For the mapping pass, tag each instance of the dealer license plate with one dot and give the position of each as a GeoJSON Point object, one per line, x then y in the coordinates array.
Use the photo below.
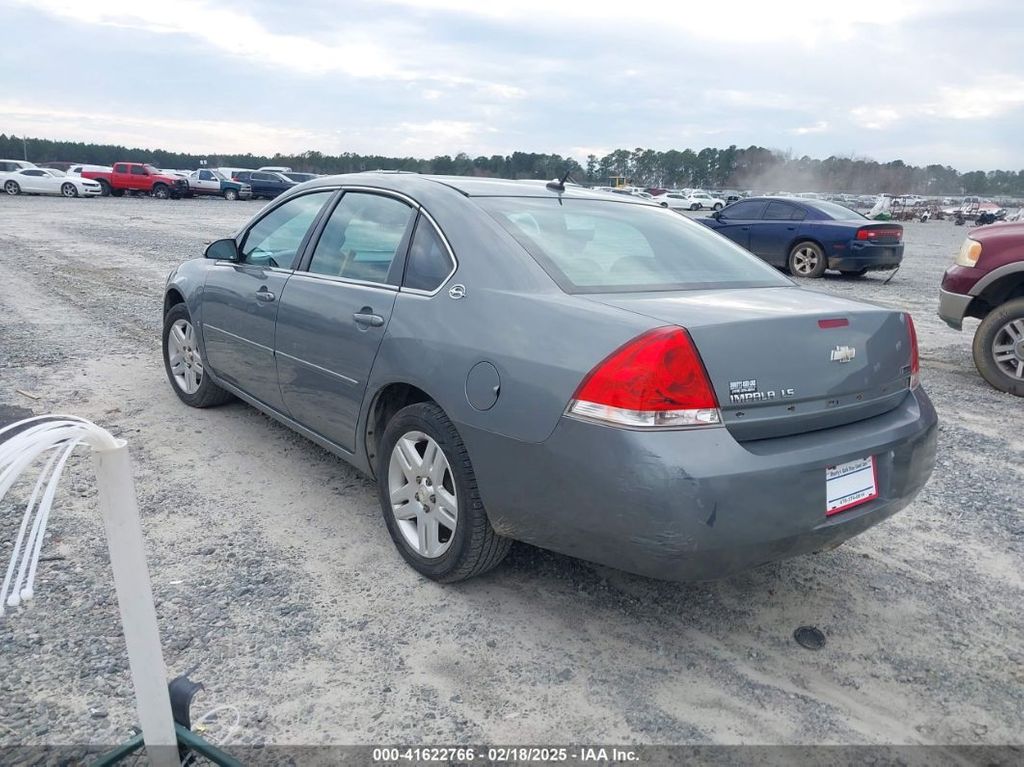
{"type": "Point", "coordinates": [850, 484]}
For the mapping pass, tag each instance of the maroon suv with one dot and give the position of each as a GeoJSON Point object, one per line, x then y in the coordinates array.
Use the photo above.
{"type": "Point", "coordinates": [987, 281]}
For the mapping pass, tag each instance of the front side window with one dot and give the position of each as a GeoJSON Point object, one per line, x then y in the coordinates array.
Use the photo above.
{"type": "Point", "coordinates": [429, 263]}
{"type": "Point", "coordinates": [744, 210]}
{"type": "Point", "coordinates": [275, 239]}
{"type": "Point", "coordinates": [591, 246]}
{"type": "Point", "coordinates": [205, 175]}
{"type": "Point", "coordinates": [363, 238]}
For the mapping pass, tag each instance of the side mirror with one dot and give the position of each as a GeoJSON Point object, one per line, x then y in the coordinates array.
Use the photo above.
{"type": "Point", "coordinates": [223, 250]}
{"type": "Point", "coordinates": [716, 214]}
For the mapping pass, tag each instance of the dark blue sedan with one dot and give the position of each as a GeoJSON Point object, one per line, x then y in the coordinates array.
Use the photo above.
{"type": "Point", "coordinates": [806, 237]}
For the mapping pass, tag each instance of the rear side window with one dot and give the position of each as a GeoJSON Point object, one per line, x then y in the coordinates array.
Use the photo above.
{"type": "Point", "coordinates": [121, 168]}
{"type": "Point", "coordinates": [429, 263]}
{"type": "Point", "coordinates": [362, 238]}
{"type": "Point", "coordinates": [138, 170]}
{"type": "Point", "coordinates": [781, 211]}
{"type": "Point", "coordinates": [592, 246]}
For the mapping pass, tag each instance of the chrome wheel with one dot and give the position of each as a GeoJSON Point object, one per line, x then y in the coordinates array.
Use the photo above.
{"type": "Point", "coordinates": [183, 356]}
{"type": "Point", "coordinates": [1008, 349]}
{"type": "Point", "coordinates": [805, 260]}
{"type": "Point", "coordinates": [422, 494]}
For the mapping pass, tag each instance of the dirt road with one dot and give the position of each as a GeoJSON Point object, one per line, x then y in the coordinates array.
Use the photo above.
{"type": "Point", "coordinates": [274, 572]}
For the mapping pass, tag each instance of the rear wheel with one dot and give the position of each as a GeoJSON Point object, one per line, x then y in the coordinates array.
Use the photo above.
{"type": "Point", "coordinates": [695, 206]}
{"type": "Point", "coordinates": [161, 192]}
{"type": "Point", "coordinates": [999, 347]}
{"type": "Point", "coordinates": [69, 190]}
{"type": "Point", "coordinates": [184, 366]}
{"type": "Point", "coordinates": [806, 260]}
{"type": "Point", "coordinates": [104, 188]}
{"type": "Point", "coordinates": [230, 194]}
{"type": "Point", "coordinates": [12, 188]}
{"type": "Point", "coordinates": [429, 497]}
{"type": "Point", "coordinates": [717, 206]}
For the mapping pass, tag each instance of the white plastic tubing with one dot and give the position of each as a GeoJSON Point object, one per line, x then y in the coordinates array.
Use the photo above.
{"type": "Point", "coordinates": [51, 440]}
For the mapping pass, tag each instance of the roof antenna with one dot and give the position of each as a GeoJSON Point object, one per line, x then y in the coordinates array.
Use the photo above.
{"type": "Point", "coordinates": [558, 185]}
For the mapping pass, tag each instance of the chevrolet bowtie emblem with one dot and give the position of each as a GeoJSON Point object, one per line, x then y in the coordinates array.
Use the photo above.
{"type": "Point", "coordinates": [843, 354]}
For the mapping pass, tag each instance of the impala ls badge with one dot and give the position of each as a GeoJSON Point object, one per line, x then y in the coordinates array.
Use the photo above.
{"type": "Point", "coordinates": [843, 354]}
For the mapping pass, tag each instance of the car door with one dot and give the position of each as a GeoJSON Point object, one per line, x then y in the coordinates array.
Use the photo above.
{"type": "Point", "coordinates": [334, 312]}
{"type": "Point", "coordinates": [240, 300]}
{"type": "Point", "coordinates": [207, 183]}
{"type": "Point", "coordinates": [31, 180]}
{"type": "Point", "coordinates": [138, 178]}
{"type": "Point", "coordinates": [771, 237]}
{"type": "Point", "coordinates": [734, 221]}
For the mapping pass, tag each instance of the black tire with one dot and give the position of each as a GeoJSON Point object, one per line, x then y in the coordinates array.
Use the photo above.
{"type": "Point", "coordinates": [855, 272]}
{"type": "Point", "coordinates": [12, 188]}
{"type": "Point", "coordinates": [208, 394]}
{"type": "Point", "coordinates": [160, 191]}
{"type": "Point", "coordinates": [986, 336]}
{"type": "Point", "coordinates": [69, 190]}
{"type": "Point", "coordinates": [797, 258]}
{"type": "Point", "coordinates": [695, 206]}
{"type": "Point", "coordinates": [230, 194]}
{"type": "Point", "coordinates": [117, 192]}
{"type": "Point", "coordinates": [104, 188]}
{"type": "Point", "coordinates": [475, 547]}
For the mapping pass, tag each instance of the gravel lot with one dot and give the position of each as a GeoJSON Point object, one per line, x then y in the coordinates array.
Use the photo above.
{"type": "Point", "coordinates": [274, 573]}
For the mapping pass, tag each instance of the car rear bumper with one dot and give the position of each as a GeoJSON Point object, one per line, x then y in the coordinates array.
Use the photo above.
{"type": "Point", "coordinates": [856, 255]}
{"type": "Point", "coordinates": [696, 504]}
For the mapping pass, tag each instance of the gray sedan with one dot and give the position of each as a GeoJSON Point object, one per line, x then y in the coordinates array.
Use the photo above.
{"type": "Point", "coordinates": [589, 373]}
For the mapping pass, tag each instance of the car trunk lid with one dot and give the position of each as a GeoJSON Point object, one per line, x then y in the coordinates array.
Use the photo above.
{"type": "Point", "coordinates": [787, 360]}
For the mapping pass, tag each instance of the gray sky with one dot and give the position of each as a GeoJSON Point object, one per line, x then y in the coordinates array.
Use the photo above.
{"type": "Point", "coordinates": [920, 80]}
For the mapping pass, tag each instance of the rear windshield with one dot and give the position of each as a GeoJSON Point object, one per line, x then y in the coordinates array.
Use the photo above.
{"type": "Point", "coordinates": [597, 246]}
{"type": "Point", "coordinates": [836, 211]}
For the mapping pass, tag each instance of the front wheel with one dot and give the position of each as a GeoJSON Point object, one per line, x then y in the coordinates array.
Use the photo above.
{"type": "Point", "coordinates": [230, 194]}
{"type": "Point", "coordinates": [806, 260]}
{"type": "Point", "coordinates": [429, 497]}
{"type": "Point", "coordinates": [69, 190]}
{"type": "Point", "coordinates": [161, 192]}
{"type": "Point", "coordinates": [695, 206]}
{"type": "Point", "coordinates": [183, 363]}
{"type": "Point", "coordinates": [12, 188]}
{"type": "Point", "coordinates": [999, 347]}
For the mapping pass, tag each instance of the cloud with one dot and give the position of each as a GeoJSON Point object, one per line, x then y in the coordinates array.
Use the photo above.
{"type": "Point", "coordinates": [819, 127]}
{"type": "Point", "coordinates": [986, 98]}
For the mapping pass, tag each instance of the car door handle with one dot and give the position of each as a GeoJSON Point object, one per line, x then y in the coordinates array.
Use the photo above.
{"type": "Point", "coordinates": [368, 319]}
{"type": "Point", "coordinates": [264, 295]}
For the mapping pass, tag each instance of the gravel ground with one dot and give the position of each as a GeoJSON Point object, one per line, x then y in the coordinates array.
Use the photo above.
{"type": "Point", "coordinates": [274, 574]}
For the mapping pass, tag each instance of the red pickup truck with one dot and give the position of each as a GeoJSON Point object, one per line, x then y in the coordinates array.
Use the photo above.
{"type": "Point", "coordinates": [138, 177]}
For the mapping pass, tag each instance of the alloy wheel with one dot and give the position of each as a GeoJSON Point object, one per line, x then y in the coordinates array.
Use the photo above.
{"type": "Point", "coordinates": [1008, 348]}
{"type": "Point", "coordinates": [183, 355]}
{"type": "Point", "coordinates": [805, 261]}
{"type": "Point", "coordinates": [68, 190]}
{"type": "Point", "coordinates": [422, 494]}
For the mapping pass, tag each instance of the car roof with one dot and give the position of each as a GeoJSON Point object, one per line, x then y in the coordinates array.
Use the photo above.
{"type": "Point", "coordinates": [471, 186]}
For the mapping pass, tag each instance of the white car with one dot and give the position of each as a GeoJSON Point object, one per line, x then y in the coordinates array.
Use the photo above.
{"type": "Point", "coordinates": [76, 170]}
{"type": "Point", "coordinates": [48, 181]}
{"type": "Point", "coordinates": [701, 200]}
{"type": "Point", "coordinates": [674, 200]}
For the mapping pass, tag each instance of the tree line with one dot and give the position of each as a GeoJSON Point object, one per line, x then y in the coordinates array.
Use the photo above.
{"type": "Point", "coordinates": [754, 168]}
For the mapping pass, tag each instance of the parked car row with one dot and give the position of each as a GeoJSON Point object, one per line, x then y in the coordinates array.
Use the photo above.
{"type": "Point", "coordinates": [85, 180]}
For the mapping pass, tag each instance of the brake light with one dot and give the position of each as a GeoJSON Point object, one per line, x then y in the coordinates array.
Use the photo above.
{"type": "Point", "coordinates": [880, 233]}
{"type": "Point", "coordinates": [915, 360]}
{"type": "Point", "coordinates": [657, 379]}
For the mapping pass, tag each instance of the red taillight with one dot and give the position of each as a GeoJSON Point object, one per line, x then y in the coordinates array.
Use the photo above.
{"type": "Point", "coordinates": [657, 379]}
{"type": "Point", "coordinates": [915, 361]}
{"type": "Point", "coordinates": [894, 233]}
{"type": "Point", "coordinates": [837, 322]}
